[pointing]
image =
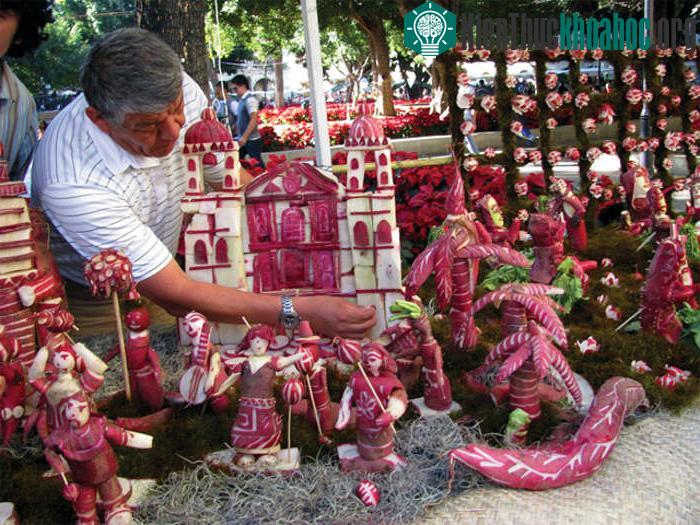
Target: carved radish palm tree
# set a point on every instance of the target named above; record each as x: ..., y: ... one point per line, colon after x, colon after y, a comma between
x: 454, y: 258
x: 527, y: 350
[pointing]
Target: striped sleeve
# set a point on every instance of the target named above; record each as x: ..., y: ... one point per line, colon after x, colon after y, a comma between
x: 92, y: 219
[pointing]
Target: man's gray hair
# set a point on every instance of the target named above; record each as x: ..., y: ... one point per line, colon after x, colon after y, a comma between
x: 131, y: 70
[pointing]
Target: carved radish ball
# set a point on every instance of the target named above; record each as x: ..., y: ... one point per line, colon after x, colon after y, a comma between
x: 292, y: 391
x: 109, y: 271
x: 306, y: 364
x: 368, y: 493
x: 348, y: 351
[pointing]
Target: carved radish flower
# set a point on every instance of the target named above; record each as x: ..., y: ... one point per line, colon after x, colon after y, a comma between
x: 573, y: 154
x: 597, y: 54
x: 602, y: 299
x: 606, y: 263
x: 606, y: 113
x: 593, y: 176
x: 647, y: 96
x: 609, y: 147
x: 629, y: 143
x: 521, y: 188
x: 535, y: 156
x: 640, y: 367
x: 694, y: 115
x: 660, y: 70
x: 629, y: 76
x: 593, y: 153
x: 490, y: 153
x: 673, y: 140
x: 522, y: 215
x: 463, y: 79
x: 520, y: 104
x: 577, y: 54
x: 567, y: 97
x: 554, y: 157
x: 488, y: 103
x: 675, y: 101
x: 694, y: 92
x: 653, y: 143
x: 610, y: 280
x: 589, y: 126
x: 582, y: 100
x: 516, y: 127
x: 471, y: 164
x: 634, y: 96
x: 511, y: 81
x: 551, y: 80
x: 661, y: 108
x: 520, y: 155
x: 554, y: 100
x: 368, y: 493
x: 641, y: 53
x: 583, y: 79
x: 512, y: 56
x: 612, y: 313
x: 630, y: 127
x: 588, y: 346
x: 667, y: 164
x: 551, y: 123
x: 662, y: 124
x: 682, y: 51
x: 665, y: 91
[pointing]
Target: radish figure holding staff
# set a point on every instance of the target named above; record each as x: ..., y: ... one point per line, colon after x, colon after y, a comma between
x: 109, y: 275
x: 380, y: 399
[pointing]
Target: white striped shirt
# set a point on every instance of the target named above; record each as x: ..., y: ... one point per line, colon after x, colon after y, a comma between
x: 97, y: 195
x: 18, y: 122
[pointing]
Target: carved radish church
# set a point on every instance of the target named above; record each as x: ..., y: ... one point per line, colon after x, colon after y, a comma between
x: 295, y: 228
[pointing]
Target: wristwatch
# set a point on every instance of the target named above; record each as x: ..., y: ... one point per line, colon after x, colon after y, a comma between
x: 289, y: 318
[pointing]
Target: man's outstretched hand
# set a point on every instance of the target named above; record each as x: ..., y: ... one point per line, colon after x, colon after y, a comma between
x: 333, y: 316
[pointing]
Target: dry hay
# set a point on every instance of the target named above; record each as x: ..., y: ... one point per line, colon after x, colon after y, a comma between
x: 320, y: 492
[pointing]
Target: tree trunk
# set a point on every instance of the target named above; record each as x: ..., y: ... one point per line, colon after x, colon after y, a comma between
x: 180, y: 23
x: 380, y: 48
x: 279, y: 81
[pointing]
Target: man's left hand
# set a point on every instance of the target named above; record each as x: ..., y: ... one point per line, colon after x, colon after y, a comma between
x: 242, y: 142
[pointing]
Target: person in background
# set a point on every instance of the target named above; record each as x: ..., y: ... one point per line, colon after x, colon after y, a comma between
x: 220, y: 104
x: 247, y: 134
x: 21, y: 30
x: 110, y: 173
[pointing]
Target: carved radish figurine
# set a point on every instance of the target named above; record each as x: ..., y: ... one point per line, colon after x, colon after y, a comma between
x: 556, y: 465
x: 109, y: 275
x: 454, y: 258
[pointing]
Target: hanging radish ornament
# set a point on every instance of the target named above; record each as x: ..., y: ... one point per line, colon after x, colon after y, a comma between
x: 292, y: 392
x: 109, y: 275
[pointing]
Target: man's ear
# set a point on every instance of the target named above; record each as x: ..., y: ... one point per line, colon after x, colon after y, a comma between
x: 97, y: 119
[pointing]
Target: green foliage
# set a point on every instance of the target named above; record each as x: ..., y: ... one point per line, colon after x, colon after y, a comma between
x: 692, y: 248
x: 435, y: 233
x: 691, y: 321
x: 506, y: 274
x: 567, y: 281
x: 77, y: 24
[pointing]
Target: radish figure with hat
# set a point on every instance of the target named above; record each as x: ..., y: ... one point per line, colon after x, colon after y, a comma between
x: 85, y: 440
x: 319, y: 408
x: 75, y: 369
x: 143, y: 362
x: 380, y: 399
x: 256, y: 432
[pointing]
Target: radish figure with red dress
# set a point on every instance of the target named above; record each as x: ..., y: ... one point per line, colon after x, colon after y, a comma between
x: 257, y: 429
x: 145, y: 374
x: 12, y: 386
x: 566, y: 203
x: 85, y: 440
x: 380, y: 399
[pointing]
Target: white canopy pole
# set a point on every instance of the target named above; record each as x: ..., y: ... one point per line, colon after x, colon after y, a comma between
x: 312, y: 40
